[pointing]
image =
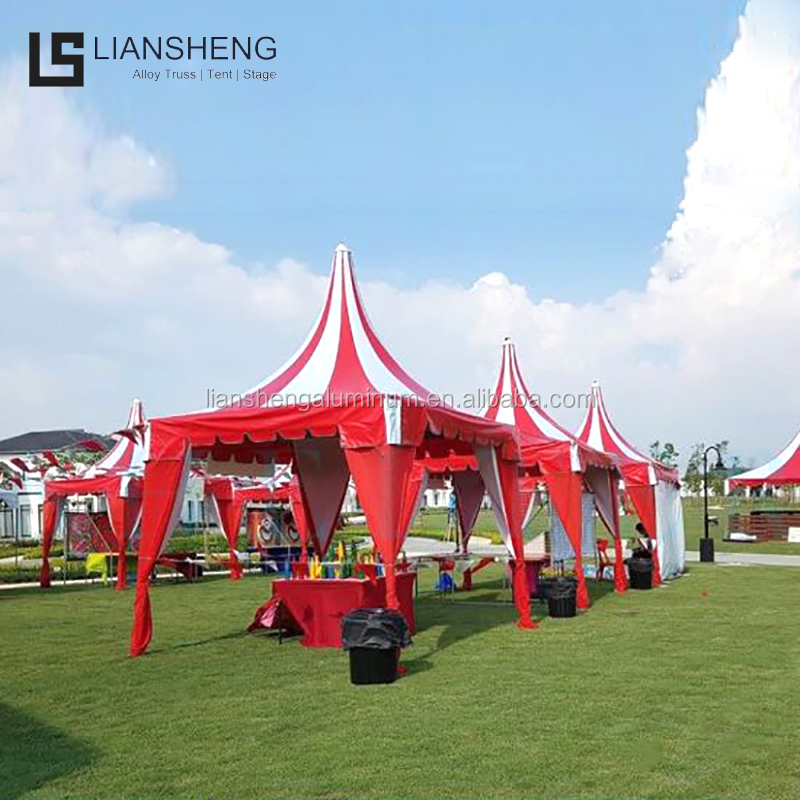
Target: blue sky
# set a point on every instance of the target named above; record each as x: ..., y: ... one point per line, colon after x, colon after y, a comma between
x: 447, y: 140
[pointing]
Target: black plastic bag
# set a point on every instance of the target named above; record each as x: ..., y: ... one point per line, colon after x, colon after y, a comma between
x: 640, y: 564
x: 375, y: 628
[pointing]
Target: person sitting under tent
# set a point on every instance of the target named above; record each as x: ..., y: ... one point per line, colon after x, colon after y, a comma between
x: 642, y: 544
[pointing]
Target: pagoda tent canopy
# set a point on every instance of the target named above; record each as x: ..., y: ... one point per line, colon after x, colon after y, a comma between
x: 118, y: 477
x: 653, y: 487
x: 782, y: 470
x: 552, y: 455
x: 342, y: 406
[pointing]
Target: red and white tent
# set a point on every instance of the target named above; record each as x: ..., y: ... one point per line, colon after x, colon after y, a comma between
x: 117, y: 477
x: 653, y: 487
x: 342, y: 406
x: 567, y: 466
x: 782, y: 470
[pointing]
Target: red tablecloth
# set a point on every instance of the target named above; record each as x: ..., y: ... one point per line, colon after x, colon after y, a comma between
x: 533, y: 566
x: 317, y: 606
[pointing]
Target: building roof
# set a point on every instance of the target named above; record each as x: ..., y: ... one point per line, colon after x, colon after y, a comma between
x: 39, y: 441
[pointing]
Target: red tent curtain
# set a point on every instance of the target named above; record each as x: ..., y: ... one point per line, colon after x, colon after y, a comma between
x: 229, y: 513
x: 469, y: 488
x: 301, y: 516
x: 414, y: 488
x: 620, y: 576
x: 51, y: 516
x: 382, y: 475
x: 566, y: 489
x: 512, y: 501
x: 644, y: 501
x: 164, y: 482
x: 124, y: 513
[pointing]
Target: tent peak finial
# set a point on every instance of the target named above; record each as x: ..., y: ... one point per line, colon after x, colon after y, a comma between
x: 342, y: 248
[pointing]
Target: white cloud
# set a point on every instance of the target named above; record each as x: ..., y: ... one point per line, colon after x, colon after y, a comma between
x: 99, y: 309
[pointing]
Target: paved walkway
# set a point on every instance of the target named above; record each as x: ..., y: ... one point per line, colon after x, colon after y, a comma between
x: 743, y: 559
x: 479, y: 546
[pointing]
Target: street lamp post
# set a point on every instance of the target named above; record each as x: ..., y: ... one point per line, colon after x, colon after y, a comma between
x: 707, y: 543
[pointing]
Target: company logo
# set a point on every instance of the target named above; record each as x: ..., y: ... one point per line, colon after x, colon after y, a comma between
x: 58, y: 58
x: 172, y: 48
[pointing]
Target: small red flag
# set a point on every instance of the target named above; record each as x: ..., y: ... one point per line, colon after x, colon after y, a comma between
x: 50, y: 456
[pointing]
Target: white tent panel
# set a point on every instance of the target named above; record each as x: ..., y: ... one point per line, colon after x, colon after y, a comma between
x: 669, y: 529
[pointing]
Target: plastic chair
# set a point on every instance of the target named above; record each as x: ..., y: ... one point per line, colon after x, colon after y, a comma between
x: 97, y: 564
x: 445, y: 583
x: 603, y: 561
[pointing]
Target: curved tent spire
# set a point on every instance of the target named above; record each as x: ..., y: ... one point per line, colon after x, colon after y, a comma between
x: 513, y: 403
x: 541, y: 436
x: 127, y: 454
x: 342, y: 354
x: 598, y: 431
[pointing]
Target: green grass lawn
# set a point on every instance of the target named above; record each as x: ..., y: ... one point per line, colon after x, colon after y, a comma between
x: 688, y: 690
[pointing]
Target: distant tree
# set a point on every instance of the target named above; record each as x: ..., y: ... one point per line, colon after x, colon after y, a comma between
x: 693, y: 477
x: 666, y: 455
x: 83, y: 456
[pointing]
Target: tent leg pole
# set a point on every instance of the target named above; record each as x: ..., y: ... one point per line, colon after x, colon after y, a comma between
x: 65, y: 550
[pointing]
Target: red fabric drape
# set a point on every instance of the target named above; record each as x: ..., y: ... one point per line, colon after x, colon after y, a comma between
x: 656, y: 565
x: 124, y: 514
x: 469, y: 489
x: 509, y: 485
x: 644, y: 501
x: 163, y: 492
x: 414, y: 487
x: 565, y: 490
x: 229, y: 511
x: 381, y: 475
x: 301, y: 516
x: 620, y: 576
x: 50, y: 517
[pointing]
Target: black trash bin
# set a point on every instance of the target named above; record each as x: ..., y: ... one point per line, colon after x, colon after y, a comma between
x: 562, y: 597
x: 374, y: 638
x: 640, y: 573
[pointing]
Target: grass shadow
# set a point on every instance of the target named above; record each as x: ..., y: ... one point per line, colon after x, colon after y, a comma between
x: 466, y: 614
x: 599, y: 589
x: 201, y: 642
x: 33, y: 753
